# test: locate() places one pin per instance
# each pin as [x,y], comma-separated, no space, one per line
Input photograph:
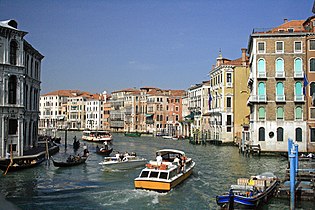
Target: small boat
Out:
[71,161]
[133,134]
[103,151]
[123,162]
[17,164]
[170,137]
[249,193]
[171,168]
[97,136]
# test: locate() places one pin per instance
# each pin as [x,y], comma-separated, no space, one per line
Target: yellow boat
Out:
[164,175]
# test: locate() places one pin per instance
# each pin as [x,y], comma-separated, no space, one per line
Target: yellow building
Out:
[228,97]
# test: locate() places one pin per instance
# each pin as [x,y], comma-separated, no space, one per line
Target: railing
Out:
[261,75]
[257,98]
[280,74]
[280,98]
[299,98]
[298,74]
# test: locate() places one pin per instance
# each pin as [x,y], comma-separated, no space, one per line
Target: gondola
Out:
[21,163]
[71,161]
[104,152]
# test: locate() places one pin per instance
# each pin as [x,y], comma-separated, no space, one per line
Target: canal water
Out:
[88,186]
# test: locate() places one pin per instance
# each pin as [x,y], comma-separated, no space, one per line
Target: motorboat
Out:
[123,161]
[249,193]
[97,136]
[170,169]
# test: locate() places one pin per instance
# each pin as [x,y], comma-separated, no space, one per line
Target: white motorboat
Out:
[97,136]
[127,162]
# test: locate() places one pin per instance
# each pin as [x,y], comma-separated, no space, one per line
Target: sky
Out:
[110,45]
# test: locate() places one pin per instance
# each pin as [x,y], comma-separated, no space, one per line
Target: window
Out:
[279,134]
[261,68]
[297,47]
[279,47]
[261,134]
[13,52]
[228,102]
[298,67]
[312,44]
[312,64]
[312,88]
[261,91]
[298,134]
[312,113]
[298,113]
[261,47]
[298,91]
[312,131]
[12,90]
[154,174]
[290,30]
[280,113]
[261,113]
[279,65]
[229,77]
[280,92]
[229,123]
[13,125]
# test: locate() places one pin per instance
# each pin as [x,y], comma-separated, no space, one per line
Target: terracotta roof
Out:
[297,26]
[237,62]
[68,93]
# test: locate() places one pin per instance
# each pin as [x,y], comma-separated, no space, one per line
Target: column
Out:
[20,136]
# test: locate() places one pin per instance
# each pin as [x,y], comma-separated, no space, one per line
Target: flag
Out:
[305,83]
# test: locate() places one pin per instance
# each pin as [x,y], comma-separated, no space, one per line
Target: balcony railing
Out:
[280,98]
[298,74]
[257,98]
[280,74]
[299,98]
[261,75]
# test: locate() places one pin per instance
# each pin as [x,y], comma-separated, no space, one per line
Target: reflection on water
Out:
[88,186]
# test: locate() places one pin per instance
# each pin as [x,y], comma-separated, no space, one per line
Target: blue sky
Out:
[97,45]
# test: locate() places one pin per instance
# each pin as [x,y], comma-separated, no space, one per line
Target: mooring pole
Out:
[292,157]
[296,158]
[66,136]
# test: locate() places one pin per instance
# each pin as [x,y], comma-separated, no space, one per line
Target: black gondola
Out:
[71,161]
[21,163]
[104,152]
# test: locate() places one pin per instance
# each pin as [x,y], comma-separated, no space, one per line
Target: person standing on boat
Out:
[159,159]
[106,145]
[85,151]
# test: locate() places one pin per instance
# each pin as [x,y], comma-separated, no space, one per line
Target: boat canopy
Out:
[170,151]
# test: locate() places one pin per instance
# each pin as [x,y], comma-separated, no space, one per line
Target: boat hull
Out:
[124,164]
[69,164]
[104,152]
[133,134]
[248,202]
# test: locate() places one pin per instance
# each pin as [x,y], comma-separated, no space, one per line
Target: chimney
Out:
[243,56]
[285,20]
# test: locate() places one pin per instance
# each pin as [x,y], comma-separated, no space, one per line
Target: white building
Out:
[20,65]
[94,112]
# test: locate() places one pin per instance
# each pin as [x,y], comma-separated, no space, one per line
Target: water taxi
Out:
[127,161]
[171,168]
[97,136]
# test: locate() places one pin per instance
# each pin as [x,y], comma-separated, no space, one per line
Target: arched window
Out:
[298,89]
[13,52]
[12,90]
[261,68]
[312,64]
[261,91]
[298,113]
[279,134]
[298,66]
[298,134]
[280,92]
[280,113]
[261,134]
[279,65]
[312,90]
[261,113]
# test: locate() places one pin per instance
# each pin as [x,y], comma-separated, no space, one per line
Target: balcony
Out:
[257,99]
[280,98]
[280,74]
[261,75]
[299,74]
[298,98]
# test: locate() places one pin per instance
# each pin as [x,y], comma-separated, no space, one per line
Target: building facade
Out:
[278,106]
[20,73]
